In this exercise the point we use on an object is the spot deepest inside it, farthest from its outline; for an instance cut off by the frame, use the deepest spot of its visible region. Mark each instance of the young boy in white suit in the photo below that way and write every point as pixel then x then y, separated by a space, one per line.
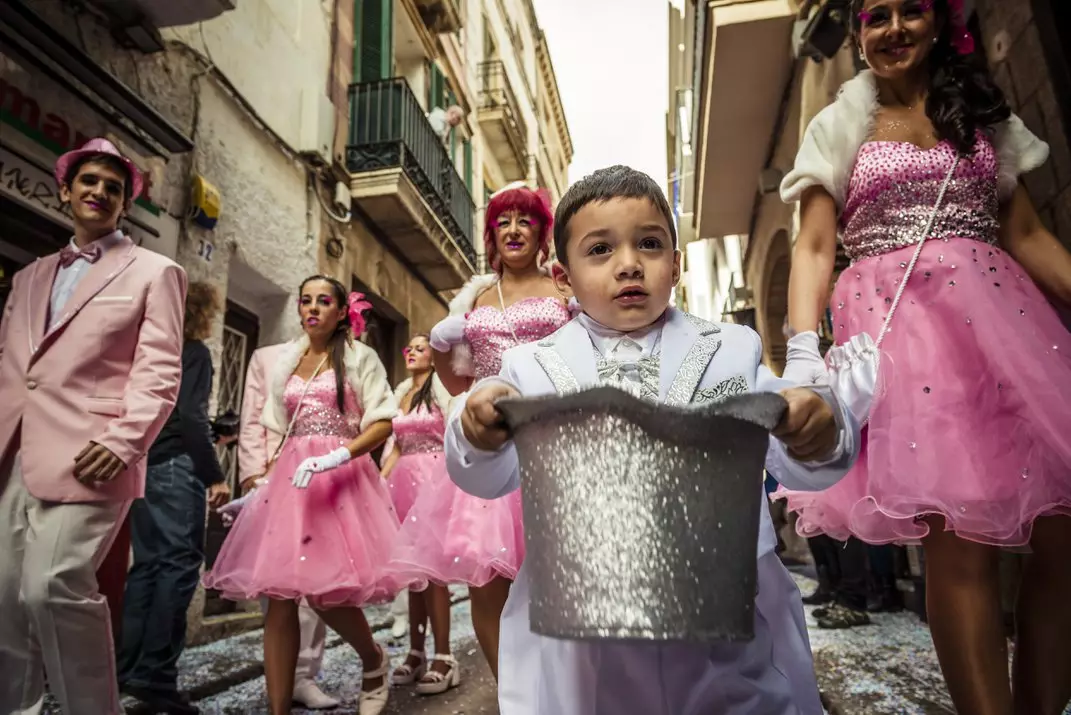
pixel 615 240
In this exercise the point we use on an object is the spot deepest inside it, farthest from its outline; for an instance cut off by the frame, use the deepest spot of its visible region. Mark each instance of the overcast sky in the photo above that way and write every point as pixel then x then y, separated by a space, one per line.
pixel 610 59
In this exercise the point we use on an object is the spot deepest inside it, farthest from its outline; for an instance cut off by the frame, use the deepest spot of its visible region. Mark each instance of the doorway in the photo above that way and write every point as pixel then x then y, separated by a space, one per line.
pixel 241 332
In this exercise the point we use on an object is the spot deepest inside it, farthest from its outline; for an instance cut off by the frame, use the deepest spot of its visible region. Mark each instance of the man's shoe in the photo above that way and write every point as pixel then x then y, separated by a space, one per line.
pixel 839 617
pixel 162 701
pixel 308 693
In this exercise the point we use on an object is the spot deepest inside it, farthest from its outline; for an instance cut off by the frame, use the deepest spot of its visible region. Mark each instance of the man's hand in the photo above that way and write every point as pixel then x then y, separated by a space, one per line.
pixel 807 429
pixel 96 464
pixel 482 422
pixel 218 495
pixel 249 483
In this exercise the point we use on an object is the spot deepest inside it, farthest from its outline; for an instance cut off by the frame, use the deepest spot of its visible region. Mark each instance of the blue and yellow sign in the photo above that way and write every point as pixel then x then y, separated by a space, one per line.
pixel 205 203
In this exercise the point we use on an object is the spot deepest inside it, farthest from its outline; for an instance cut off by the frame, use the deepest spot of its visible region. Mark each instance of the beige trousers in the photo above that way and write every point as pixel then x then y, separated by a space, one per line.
pixel 52 617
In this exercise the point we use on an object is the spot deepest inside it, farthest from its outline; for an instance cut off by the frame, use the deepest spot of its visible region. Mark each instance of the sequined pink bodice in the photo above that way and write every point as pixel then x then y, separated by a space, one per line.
pixel 488 332
pixel 894 186
pixel 319 415
pixel 420 431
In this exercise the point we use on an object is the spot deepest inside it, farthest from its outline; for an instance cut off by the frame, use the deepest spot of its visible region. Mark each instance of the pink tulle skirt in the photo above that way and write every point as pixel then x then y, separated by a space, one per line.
pixel 972 420
pixel 329 543
pixel 412 475
pixel 452 537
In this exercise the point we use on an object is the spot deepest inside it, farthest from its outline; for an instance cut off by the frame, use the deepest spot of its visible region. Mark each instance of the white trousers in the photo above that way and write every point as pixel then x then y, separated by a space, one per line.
pixel 53 618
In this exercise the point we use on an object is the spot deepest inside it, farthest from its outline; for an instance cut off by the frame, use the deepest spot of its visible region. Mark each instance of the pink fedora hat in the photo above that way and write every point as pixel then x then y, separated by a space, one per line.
pixel 99 146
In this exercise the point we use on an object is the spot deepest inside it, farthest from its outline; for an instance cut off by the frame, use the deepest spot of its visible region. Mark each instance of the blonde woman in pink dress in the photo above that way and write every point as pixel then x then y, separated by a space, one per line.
pixel 451 537
pixel 322 528
pixel 414 464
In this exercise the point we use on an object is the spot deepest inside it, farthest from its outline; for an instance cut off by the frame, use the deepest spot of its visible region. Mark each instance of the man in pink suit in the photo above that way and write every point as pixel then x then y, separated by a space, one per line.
pixel 90 348
pixel 256 447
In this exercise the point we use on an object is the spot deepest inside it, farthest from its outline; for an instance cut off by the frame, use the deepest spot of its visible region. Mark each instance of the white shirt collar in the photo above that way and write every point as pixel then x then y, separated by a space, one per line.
pixel 635 344
pixel 105 242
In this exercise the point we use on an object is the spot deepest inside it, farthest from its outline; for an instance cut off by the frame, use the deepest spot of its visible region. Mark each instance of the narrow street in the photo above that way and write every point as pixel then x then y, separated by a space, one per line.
pixel 887 668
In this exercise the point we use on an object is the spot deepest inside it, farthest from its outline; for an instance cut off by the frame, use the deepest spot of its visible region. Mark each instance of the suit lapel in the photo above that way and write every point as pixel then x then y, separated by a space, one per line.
pixel 568 358
pixel 112 262
pixel 40 298
pixel 681 372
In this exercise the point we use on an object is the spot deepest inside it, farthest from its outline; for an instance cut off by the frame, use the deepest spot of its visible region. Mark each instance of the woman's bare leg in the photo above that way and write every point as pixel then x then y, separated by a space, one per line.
pixel 282 639
pixel 487 604
pixel 966 621
pixel 1042 672
pixel 350 623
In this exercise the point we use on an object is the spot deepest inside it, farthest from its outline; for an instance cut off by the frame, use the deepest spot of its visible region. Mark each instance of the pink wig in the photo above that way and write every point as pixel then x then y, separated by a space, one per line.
pixel 534 203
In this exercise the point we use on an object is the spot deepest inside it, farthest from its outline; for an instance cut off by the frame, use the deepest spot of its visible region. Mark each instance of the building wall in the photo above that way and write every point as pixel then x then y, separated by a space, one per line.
pixel 1014 50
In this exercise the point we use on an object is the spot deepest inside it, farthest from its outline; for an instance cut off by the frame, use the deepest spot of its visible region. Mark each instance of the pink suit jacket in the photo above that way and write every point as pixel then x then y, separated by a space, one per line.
pixel 107 372
pixel 257 444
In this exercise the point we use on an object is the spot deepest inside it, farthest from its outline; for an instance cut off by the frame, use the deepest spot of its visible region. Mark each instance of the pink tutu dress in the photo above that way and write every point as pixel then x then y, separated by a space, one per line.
pixel 419 437
pixel 450 536
pixel 972 420
pixel 329 543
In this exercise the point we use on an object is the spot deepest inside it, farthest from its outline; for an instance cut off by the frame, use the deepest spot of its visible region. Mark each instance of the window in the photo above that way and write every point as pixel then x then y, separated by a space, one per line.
pixel 467 144
pixel 374 53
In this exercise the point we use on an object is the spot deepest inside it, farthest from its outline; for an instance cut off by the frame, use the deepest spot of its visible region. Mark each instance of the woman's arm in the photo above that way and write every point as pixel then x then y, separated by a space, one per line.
pixel 390 461
pixel 371 437
pixel 1043 257
pixel 444 367
pixel 812 260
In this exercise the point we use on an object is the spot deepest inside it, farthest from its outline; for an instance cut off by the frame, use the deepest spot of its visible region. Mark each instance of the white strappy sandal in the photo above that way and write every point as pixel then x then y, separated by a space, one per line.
pixel 406 674
pixel 373 702
pixel 434 682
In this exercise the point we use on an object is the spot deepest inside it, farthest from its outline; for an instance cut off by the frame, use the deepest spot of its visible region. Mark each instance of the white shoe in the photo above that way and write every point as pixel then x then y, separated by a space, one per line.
pixel 373 702
pixel 405 674
pixel 308 693
pixel 400 627
pixel 434 682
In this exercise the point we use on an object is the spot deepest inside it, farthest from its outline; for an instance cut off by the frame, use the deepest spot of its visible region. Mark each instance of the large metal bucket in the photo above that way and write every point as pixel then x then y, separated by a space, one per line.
pixel 641 520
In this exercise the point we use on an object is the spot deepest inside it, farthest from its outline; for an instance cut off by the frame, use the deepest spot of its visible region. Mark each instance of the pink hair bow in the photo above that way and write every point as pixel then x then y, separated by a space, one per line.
pixel 962 40
pixel 357 306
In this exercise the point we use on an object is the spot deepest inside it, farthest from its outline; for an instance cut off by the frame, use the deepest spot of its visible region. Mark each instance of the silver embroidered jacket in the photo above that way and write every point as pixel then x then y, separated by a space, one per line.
pixel 772 674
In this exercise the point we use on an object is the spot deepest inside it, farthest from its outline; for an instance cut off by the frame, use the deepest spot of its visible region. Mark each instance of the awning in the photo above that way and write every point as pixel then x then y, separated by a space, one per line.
pixel 26 35
pixel 748 64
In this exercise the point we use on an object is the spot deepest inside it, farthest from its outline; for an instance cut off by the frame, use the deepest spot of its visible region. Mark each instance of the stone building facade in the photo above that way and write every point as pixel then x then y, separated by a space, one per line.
pixel 309 120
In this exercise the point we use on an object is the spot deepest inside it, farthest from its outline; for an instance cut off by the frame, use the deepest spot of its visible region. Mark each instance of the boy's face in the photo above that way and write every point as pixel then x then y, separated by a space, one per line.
pixel 621 263
pixel 97 196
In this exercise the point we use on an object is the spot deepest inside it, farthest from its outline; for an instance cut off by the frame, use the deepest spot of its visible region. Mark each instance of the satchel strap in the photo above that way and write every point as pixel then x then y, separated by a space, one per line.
pixel 297 410
pixel 918 250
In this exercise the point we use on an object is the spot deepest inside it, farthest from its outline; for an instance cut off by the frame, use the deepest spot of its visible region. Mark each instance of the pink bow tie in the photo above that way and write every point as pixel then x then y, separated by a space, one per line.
pixel 69 255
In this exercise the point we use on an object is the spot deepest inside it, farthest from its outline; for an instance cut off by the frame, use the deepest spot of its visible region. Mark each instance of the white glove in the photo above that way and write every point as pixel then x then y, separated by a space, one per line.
pixel 447 333
pixel 230 511
pixel 803 363
pixel 315 465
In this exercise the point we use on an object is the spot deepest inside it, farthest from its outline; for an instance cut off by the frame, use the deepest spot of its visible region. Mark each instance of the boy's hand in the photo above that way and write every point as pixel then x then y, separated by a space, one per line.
pixel 807 429
pixel 481 421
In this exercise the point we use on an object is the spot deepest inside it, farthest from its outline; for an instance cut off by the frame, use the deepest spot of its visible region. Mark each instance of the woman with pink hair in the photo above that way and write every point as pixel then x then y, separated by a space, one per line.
pixel 449 536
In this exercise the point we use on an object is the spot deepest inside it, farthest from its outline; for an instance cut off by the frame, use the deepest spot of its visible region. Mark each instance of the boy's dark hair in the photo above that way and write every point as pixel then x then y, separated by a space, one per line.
pixel 613 182
pixel 109 160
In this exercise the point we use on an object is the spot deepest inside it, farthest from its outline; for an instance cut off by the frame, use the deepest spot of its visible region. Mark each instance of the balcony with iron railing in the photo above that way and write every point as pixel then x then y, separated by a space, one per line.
pixel 403 179
pixel 501 120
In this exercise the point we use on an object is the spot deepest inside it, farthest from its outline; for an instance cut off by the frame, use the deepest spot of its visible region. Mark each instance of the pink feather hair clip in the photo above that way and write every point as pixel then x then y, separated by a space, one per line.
pixel 357 305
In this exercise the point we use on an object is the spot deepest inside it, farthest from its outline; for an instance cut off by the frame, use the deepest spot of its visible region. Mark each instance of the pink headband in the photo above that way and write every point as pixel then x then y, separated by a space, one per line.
pixel 962 40
pixel 357 306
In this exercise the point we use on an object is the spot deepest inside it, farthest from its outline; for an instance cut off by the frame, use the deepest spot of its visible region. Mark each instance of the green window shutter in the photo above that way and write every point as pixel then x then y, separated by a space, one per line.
pixel 451 100
pixel 436 87
pixel 374 33
pixel 468 165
